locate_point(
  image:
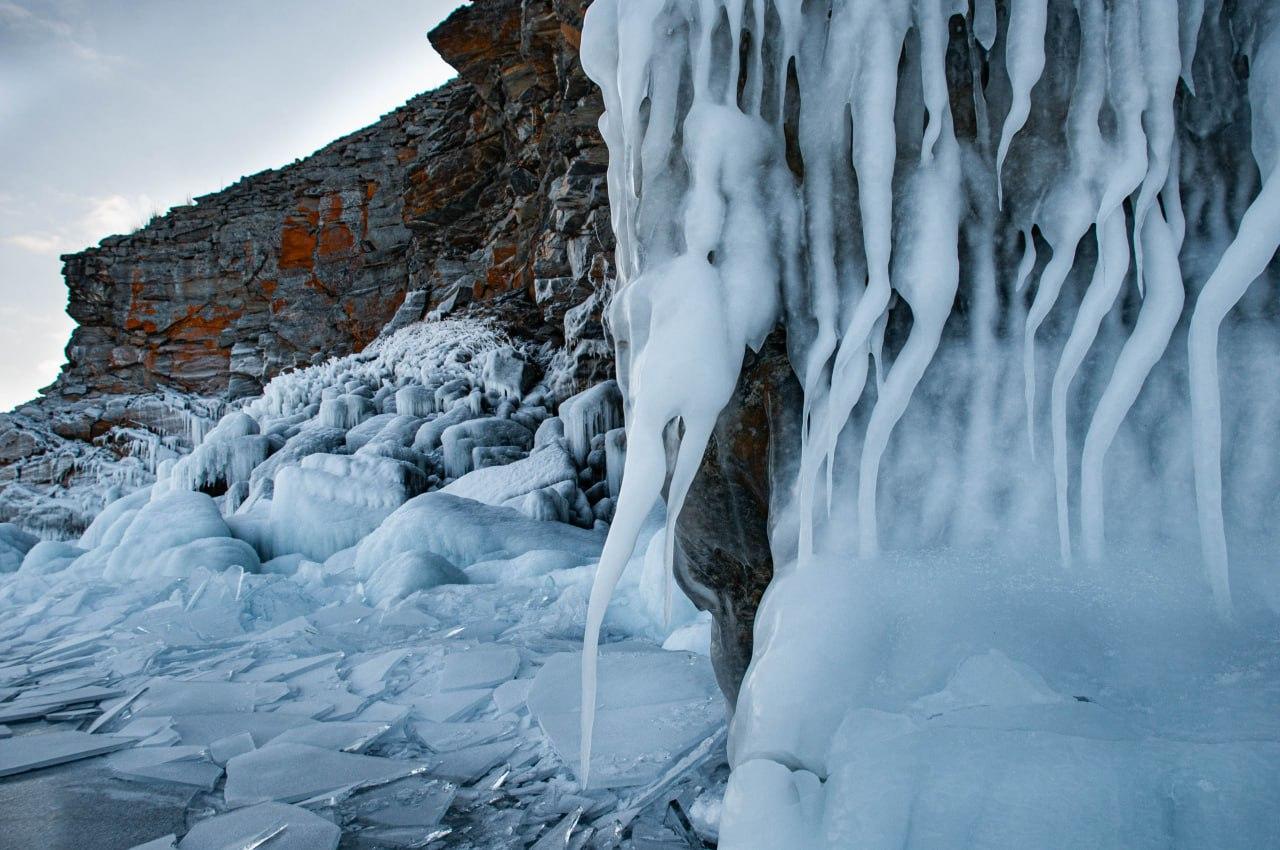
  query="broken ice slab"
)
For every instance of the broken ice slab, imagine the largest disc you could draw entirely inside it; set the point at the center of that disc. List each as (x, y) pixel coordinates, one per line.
(482, 667)
(276, 671)
(30, 709)
(271, 825)
(225, 749)
(651, 707)
(292, 772)
(177, 765)
(340, 615)
(412, 802)
(5, 732)
(32, 752)
(466, 766)
(450, 737)
(454, 705)
(348, 736)
(384, 712)
(369, 677)
(511, 696)
(204, 729)
(176, 697)
(558, 836)
(164, 842)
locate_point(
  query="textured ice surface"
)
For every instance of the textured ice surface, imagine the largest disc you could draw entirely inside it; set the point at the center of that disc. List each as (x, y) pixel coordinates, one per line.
(484, 666)
(273, 825)
(210, 651)
(652, 708)
(31, 752)
(288, 773)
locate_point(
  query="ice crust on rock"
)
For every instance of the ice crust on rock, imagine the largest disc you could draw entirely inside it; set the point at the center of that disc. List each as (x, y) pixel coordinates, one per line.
(1008, 243)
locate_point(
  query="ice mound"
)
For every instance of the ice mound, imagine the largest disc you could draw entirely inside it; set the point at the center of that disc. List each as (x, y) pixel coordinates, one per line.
(14, 546)
(410, 572)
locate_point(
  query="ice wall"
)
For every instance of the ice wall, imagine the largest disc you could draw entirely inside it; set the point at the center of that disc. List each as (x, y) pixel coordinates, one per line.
(1009, 242)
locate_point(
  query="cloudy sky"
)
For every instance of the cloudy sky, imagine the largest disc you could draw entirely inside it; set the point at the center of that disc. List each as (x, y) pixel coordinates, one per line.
(112, 110)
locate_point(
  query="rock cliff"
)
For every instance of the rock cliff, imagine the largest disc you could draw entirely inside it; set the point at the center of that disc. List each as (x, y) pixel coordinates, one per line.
(484, 197)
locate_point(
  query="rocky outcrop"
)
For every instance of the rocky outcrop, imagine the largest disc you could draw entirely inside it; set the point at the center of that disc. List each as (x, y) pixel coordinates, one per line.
(484, 197)
(489, 186)
(723, 559)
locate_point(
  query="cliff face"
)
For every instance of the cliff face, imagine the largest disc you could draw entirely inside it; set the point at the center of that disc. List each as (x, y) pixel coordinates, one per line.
(486, 196)
(489, 186)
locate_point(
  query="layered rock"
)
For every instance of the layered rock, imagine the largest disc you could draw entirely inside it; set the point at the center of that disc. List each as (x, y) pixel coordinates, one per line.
(485, 197)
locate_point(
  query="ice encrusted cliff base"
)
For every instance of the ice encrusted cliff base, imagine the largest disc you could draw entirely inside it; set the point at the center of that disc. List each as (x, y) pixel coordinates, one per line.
(1021, 256)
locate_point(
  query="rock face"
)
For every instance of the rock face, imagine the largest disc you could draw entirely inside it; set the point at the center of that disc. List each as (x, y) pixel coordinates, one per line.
(486, 196)
(489, 188)
(723, 560)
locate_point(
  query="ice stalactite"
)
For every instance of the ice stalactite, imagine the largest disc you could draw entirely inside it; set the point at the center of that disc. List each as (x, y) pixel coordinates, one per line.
(919, 186)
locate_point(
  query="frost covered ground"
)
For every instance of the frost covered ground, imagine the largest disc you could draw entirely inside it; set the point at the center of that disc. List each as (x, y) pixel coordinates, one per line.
(353, 617)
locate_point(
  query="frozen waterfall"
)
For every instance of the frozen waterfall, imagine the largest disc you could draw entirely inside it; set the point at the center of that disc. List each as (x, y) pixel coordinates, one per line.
(1011, 242)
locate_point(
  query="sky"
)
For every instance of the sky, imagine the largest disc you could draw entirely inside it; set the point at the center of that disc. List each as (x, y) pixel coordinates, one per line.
(113, 110)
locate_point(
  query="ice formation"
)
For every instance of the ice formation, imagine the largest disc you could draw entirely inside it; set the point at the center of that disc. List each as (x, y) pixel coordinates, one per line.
(969, 219)
(313, 605)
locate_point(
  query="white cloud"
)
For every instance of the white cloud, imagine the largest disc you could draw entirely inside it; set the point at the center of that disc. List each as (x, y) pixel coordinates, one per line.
(36, 243)
(101, 217)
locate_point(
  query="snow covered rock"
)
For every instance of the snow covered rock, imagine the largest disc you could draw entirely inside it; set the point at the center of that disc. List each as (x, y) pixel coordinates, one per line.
(497, 485)
(591, 412)
(461, 439)
(416, 401)
(506, 374)
(331, 502)
(345, 411)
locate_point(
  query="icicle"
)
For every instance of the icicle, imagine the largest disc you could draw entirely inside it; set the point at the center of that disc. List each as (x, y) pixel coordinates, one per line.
(1245, 259)
(1159, 316)
(1113, 264)
(1024, 58)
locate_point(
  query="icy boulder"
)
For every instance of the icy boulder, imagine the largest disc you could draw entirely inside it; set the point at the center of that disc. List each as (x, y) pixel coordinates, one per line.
(308, 442)
(48, 557)
(215, 554)
(498, 485)
(466, 532)
(652, 708)
(506, 374)
(345, 411)
(459, 441)
(429, 435)
(121, 509)
(367, 430)
(590, 413)
(330, 502)
(416, 401)
(407, 573)
(232, 426)
(14, 546)
(217, 465)
(171, 521)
